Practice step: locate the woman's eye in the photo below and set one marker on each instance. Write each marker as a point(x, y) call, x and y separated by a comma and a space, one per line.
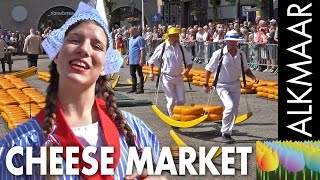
point(74, 40)
point(98, 47)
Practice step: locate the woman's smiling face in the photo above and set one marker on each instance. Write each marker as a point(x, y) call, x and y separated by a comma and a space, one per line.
point(82, 56)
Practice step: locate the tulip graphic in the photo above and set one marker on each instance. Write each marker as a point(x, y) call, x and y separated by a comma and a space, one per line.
point(295, 161)
point(259, 155)
point(260, 150)
point(313, 162)
point(270, 161)
point(282, 152)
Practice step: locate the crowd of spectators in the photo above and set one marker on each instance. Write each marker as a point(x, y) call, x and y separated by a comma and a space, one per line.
point(261, 37)
point(16, 39)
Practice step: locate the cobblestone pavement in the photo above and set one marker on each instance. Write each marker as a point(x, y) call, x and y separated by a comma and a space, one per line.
point(263, 124)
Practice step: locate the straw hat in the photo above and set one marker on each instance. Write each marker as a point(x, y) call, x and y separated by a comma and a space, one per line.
point(173, 30)
point(232, 36)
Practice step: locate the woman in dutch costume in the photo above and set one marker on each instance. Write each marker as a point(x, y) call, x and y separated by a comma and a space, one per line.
point(80, 104)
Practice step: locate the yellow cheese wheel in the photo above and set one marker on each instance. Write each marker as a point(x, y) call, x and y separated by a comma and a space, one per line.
point(246, 91)
point(259, 93)
point(10, 76)
point(248, 85)
point(271, 96)
point(176, 117)
point(177, 109)
point(194, 81)
point(195, 78)
point(214, 117)
point(42, 105)
point(271, 90)
point(211, 109)
point(192, 110)
point(266, 89)
point(189, 117)
point(5, 117)
point(272, 84)
point(259, 84)
point(260, 89)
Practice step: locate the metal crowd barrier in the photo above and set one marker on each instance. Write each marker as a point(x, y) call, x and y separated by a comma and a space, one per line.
point(202, 51)
point(257, 55)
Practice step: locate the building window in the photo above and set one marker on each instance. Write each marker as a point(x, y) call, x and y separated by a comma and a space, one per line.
point(55, 17)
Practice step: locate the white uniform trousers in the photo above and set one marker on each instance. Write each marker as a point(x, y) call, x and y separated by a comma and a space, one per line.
point(174, 91)
point(230, 97)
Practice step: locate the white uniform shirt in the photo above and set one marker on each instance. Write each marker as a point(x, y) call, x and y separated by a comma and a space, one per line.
point(172, 59)
point(231, 66)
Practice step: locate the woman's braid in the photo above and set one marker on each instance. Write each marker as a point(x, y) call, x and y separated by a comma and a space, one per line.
point(106, 93)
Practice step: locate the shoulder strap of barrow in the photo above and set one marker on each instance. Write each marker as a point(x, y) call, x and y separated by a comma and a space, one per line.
point(160, 65)
point(219, 67)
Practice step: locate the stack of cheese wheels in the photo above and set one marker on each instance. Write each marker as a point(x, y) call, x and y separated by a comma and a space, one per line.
point(42, 105)
point(10, 76)
point(19, 96)
point(214, 111)
point(6, 99)
point(31, 109)
point(269, 91)
point(145, 70)
point(13, 115)
point(6, 84)
point(199, 77)
point(248, 89)
point(44, 76)
point(256, 85)
point(19, 83)
point(175, 151)
point(186, 113)
point(26, 73)
point(35, 95)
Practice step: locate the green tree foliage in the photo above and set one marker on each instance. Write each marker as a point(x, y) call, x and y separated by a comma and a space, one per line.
point(214, 10)
point(109, 4)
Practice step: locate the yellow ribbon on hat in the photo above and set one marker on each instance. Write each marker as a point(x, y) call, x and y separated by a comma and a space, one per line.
point(173, 30)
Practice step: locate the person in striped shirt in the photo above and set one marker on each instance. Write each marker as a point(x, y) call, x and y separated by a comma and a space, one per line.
point(80, 106)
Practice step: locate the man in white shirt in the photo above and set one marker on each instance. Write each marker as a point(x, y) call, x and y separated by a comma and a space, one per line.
point(169, 57)
point(32, 46)
point(233, 64)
